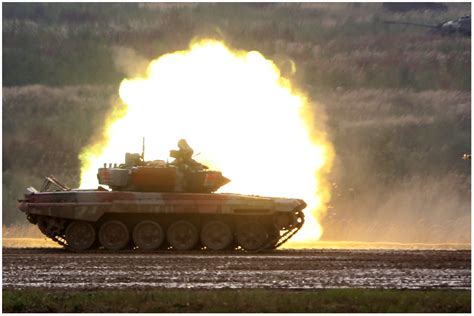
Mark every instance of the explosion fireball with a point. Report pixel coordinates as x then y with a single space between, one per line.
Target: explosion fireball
238 111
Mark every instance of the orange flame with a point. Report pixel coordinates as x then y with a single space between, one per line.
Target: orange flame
238 111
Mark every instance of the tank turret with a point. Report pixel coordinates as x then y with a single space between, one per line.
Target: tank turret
184 174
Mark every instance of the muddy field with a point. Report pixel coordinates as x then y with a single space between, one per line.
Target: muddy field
282 269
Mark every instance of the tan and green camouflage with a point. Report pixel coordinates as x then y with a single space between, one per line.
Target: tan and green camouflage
155 205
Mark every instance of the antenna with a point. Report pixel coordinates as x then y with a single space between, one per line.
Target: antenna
143 148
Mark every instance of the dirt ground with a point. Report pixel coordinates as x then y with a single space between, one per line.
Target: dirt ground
55 268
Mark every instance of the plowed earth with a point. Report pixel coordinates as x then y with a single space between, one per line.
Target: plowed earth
281 269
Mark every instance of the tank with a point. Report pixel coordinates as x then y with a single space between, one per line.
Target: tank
155 205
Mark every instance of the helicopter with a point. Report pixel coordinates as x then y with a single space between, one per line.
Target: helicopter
460 26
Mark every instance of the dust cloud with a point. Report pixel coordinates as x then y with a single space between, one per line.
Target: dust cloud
416 209
128 61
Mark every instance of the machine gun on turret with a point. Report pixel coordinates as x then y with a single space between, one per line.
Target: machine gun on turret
184 157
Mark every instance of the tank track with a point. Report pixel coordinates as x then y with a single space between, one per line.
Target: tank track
278 241
51 227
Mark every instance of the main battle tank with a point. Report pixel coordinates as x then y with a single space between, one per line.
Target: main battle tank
150 205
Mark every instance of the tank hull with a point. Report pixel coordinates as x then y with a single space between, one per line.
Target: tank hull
218 220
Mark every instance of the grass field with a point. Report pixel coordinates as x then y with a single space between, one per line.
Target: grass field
256 301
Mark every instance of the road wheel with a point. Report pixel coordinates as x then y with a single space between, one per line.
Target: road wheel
216 235
114 235
80 236
251 235
148 235
182 235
